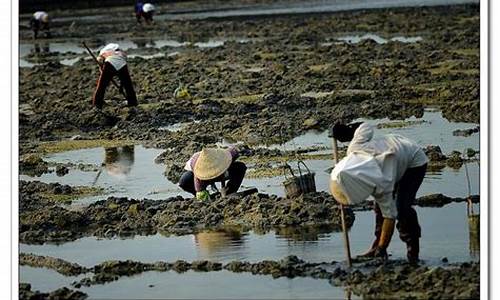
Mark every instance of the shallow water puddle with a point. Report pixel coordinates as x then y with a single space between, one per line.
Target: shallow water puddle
126 172
444 234
300 7
69 48
354 39
214 285
431 129
45 280
132 173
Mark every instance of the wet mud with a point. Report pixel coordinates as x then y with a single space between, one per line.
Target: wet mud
25 293
270 80
42 220
368 79
393 279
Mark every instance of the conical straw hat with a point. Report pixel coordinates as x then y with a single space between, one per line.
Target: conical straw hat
212 163
338 193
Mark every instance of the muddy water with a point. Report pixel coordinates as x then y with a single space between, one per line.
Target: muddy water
434 130
131 172
142 178
315 6
139 45
444 230
444 234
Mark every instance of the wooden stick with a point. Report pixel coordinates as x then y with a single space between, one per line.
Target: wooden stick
100 69
347 245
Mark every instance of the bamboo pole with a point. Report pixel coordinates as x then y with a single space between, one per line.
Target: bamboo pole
347 245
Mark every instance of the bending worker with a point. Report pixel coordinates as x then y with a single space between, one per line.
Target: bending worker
40 21
393 181
144 10
113 62
209 166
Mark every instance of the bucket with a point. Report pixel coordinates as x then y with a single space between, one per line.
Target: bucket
474 229
298 185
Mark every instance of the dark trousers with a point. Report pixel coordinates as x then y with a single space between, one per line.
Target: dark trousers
148 17
236 172
405 193
37 25
107 73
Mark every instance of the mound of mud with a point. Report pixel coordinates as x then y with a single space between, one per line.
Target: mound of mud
46 221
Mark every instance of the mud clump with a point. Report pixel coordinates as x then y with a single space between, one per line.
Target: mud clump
61 266
25 293
407 282
466 132
32 165
42 221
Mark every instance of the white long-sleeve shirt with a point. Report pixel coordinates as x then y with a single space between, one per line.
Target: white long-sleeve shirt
395 154
111 53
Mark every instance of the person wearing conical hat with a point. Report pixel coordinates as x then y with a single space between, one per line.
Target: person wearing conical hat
391 168
213 165
40 21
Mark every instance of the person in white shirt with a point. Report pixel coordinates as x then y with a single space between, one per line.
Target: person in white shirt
402 166
113 62
144 10
40 21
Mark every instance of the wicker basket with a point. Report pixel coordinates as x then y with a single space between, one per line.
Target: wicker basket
298 185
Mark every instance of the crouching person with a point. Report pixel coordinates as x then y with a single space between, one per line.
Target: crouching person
144 10
114 62
40 22
391 168
213 165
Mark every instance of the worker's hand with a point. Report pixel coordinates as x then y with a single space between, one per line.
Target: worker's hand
223 191
100 60
203 195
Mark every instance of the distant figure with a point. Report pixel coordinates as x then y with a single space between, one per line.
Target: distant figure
209 166
113 62
144 10
40 21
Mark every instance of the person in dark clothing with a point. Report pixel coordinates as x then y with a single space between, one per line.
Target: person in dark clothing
40 22
114 62
406 164
210 166
144 10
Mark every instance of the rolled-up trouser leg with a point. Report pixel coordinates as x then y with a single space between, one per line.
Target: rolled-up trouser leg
236 172
408 227
126 81
107 73
187 182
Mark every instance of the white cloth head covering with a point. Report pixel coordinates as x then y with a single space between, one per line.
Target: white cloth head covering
360 175
147 7
109 47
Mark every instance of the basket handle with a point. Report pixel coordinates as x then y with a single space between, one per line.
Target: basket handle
299 162
289 168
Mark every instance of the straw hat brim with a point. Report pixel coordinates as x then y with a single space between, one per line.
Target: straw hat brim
212 163
338 193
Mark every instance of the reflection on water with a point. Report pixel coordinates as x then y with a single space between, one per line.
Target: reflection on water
118 161
127 172
444 233
210 243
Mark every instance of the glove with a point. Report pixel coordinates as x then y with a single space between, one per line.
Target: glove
203 195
